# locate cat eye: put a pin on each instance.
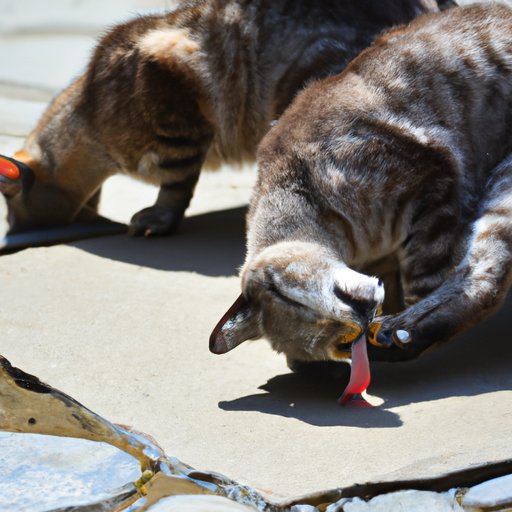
(271, 287)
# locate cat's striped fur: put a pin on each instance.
(400, 166)
(164, 94)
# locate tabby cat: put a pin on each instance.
(164, 95)
(400, 166)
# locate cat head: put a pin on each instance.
(306, 303)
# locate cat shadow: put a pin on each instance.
(312, 398)
(475, 363)
(212, 244)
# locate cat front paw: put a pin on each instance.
(154, 221)
(392, 341)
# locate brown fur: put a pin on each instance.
(401, 165)
(163, 95)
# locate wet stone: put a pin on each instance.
(198, 504)
(493, 493)
(410, 501)
(40, 473)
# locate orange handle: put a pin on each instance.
(9, 169)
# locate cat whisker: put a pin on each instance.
(309, 347)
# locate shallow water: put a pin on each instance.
(40, 473)
(93, 463)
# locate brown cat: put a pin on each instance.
(400, 166)
(165, 95)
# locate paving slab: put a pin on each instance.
(122, 325)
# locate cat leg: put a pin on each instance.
(176, 163)
(474, 290)
(89, 212)
(166, 214)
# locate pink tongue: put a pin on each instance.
(359, 375)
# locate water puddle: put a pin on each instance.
(58, 456)
(93, 464)
(40, 473)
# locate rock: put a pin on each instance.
(48, 473)
(198, 504)
(493, 493)
(408, 501)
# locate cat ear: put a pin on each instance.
(240, 323)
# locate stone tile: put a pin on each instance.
(47, 44)
(18, 118)
(49, 61)
(198, 504)
(72, 15)
(409, 501)
(45, 472)
(9, 144)
(122, 325)
(490, 494)
(122, 196)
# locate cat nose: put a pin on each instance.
(366, 313)
(364, 310)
